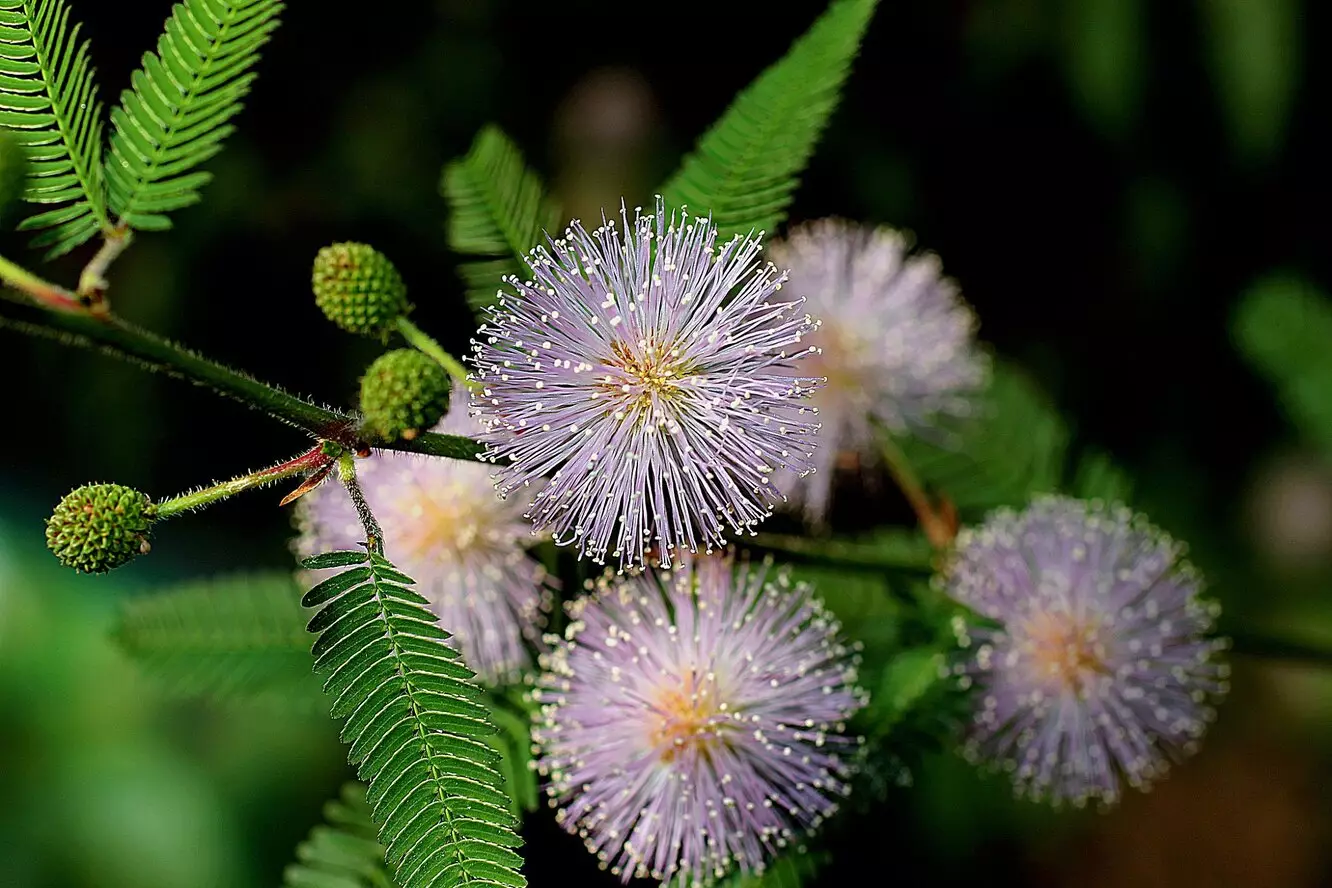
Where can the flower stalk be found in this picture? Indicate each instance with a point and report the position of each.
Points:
(308, 463)
(423, 342)
(939, 521)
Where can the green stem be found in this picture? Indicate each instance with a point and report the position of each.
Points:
(841, 553)
(310, 461)
(937, 527)
(65, 318)
(374, 537)
(43, 293)
(1267, 647)
(92, 281)
(423, 342)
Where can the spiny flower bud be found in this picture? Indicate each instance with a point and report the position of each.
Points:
(99, 527)
(358, 288)
(403, 392)
(13, 172)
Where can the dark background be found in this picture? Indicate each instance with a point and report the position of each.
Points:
(1105, 178)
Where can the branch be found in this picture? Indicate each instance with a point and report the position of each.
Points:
(312, 462)
(63, 316)
(840, 553)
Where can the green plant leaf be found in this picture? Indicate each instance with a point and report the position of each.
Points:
(48, 98)
(906, 680)
(1255, 53)
(417, 728)
(176, 114)
(235, 638)
(1014, 447)
(1097, 476)
(498, 209)
(745, 169)
(343, 853)
(1283, 327)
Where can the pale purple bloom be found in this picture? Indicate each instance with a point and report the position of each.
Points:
(898, 344)
(444, 527)
(651, 375)
(691, 721)
(1097, 669)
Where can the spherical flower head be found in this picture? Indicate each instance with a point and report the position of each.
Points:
(444, 527)
(652, 376)
(691, 720)
(359, 289)
(403, 392)
(1096, 668)
(897, 344)
(99, 527)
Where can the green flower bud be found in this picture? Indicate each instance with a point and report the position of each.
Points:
(13, 172)
(403, 393)
(99, 527)
(359, 289)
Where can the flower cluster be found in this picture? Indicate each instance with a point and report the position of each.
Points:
(1097, 668)
(897, 344)
(691, 720)
(653, 377)
(444, 526)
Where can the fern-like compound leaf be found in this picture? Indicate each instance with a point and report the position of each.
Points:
(1284, 328)
(498, 210)
(235, 639)
(343, 853)
(175, 115)
(1015, 446)
(416, 725)
(745, 169)
(48, 98)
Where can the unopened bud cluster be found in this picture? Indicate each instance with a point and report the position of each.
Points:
(403, 393)
(99, 527)
(359, 289)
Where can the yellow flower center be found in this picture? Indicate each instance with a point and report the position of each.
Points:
(1062, 648)
(649, 373)
(684, 716)
(444, 523)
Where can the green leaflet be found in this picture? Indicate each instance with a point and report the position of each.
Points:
(745, 169)
(239, 638)
(1283, 327)
(344, 853)
(1098, 477)
(1014, 447)
(416, 726)
(48, 99)
(498, 211)
(176, 114)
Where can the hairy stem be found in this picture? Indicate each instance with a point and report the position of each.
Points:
(66, 318)
(42, 293)
(92, 282)
(311, 461)
(374, 537)
(423, 342)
